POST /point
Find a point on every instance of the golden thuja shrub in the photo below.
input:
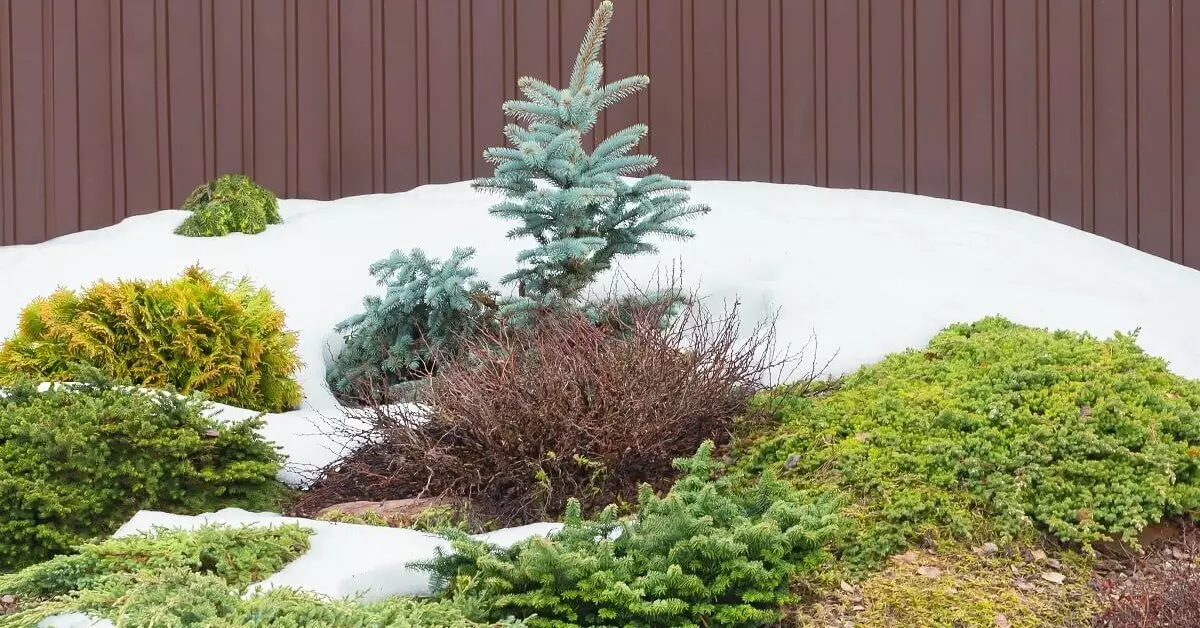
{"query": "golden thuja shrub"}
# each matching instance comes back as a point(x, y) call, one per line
point(197, 333)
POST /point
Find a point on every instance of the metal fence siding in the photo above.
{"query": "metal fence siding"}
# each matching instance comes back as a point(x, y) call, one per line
point(1083, 111)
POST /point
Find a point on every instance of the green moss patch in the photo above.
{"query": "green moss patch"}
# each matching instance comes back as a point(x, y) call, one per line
point(995, 430)
point(956, 586)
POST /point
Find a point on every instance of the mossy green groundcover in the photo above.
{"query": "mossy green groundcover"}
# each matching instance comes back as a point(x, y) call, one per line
point(994, 431)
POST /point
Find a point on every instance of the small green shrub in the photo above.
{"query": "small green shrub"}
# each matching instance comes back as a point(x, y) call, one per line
point(705, 555)
point(231, 202)
point(196, 333)
point(196, 578)
point(77, 462)
point(996, 430)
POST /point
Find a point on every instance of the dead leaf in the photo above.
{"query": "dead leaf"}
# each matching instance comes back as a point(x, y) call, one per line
point(1085, 411)
point(1038, 554)
point(929, 572)
point(1013, 568)
point(846, 587)
point(908, 558)
point(1002, 621)
point(1025, 585)
point(1053, 576)
point(862, 436)
point(212, 433)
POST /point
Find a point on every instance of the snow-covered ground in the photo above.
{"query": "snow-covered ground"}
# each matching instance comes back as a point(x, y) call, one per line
point(865, 273)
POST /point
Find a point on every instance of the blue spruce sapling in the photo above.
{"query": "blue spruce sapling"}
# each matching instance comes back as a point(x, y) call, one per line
point(427, 305)
point(576, 206)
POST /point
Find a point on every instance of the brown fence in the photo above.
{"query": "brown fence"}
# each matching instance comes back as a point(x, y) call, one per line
point(1084, 111)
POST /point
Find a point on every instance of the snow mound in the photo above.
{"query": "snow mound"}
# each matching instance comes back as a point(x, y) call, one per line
point(863, 273)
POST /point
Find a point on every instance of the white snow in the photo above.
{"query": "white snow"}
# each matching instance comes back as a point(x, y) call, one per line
point(867, 273)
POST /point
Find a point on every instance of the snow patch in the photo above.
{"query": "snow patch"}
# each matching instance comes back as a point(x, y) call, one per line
point(865, 273)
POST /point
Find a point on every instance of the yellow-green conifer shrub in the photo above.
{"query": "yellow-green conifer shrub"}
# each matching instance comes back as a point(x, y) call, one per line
point(231, 202)
point(196, 333)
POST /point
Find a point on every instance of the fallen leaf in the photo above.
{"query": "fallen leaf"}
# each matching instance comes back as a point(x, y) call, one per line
point(846, 587)
point(858, 608)
point(1038, 554)
point(907, 558)
point(1025, 585)
point(1053, 576)
point(1085, 411)
point(1002, 621)
point(929, 572)
point(1013, 568)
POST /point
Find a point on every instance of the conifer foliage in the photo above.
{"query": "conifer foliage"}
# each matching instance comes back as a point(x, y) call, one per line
point(229, 203)
point(707, 554)
point(577, 207)
point(428, 303)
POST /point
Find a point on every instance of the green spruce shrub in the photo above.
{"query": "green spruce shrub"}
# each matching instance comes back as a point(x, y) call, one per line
point(196, 333)
point(229, 203)
point(575, 206)
point(995, 431)
point(177, 578)
point(705, 555)
point(76, 461)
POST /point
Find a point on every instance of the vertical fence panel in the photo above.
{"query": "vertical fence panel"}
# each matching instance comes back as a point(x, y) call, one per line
point(186, 116)
point(7, 179)
point(976, 98)
point(1065, 106)
point(932, 65)
point(1154, 126)
point(754, 90)
point(1083, 111)
point(666, 95)
point(798, 99)
point(708, 52)
point(29, 108)
point(1189, 135)
point(843, 97)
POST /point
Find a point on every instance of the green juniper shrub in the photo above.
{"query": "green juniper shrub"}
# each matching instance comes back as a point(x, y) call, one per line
point(196, 578)
point(995, 431)
point(76, 461)
point(229, 203)
point(240, 556)
point(704, 555)
point(198, 332)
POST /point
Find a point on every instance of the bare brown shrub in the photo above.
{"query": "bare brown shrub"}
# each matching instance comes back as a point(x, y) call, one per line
point(1159, 588)
point(523, 420)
